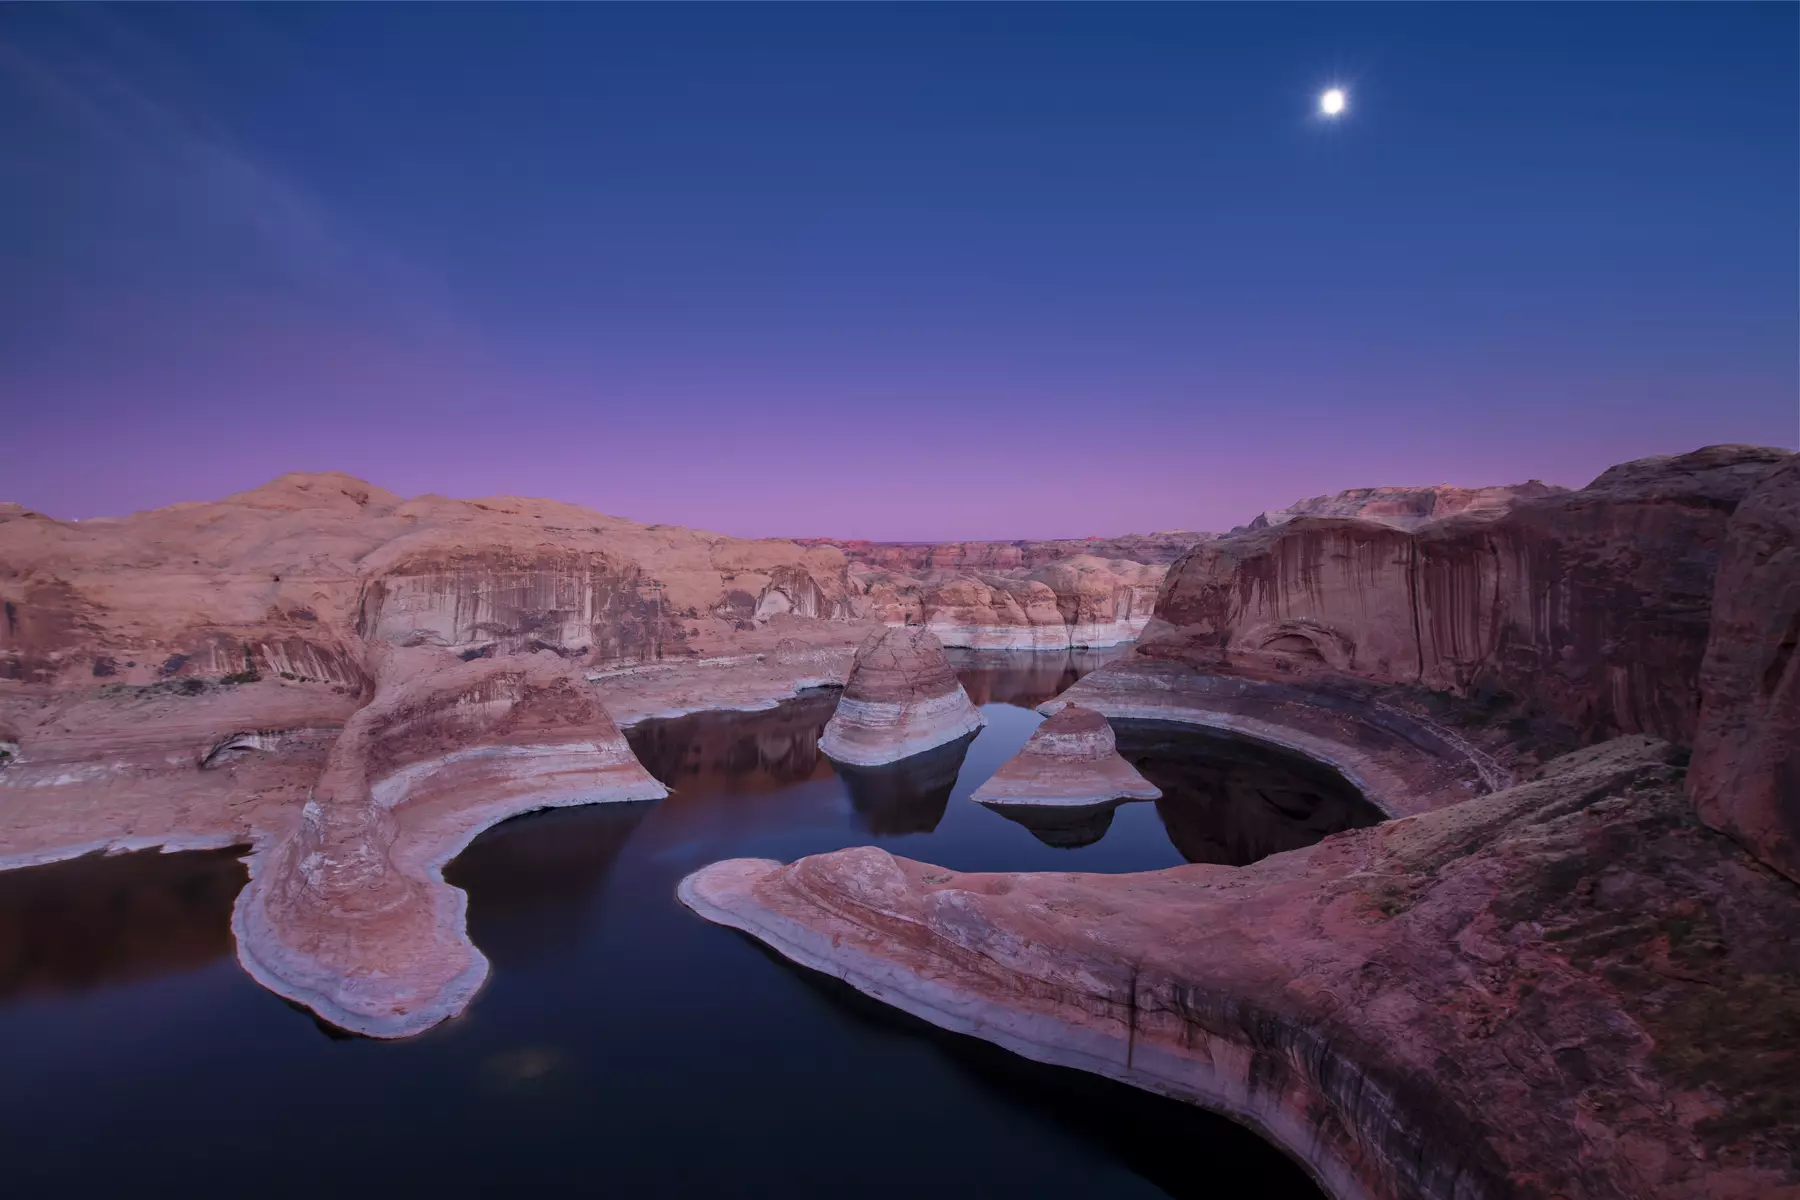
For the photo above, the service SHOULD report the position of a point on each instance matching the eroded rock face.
(350, 915)
(1071, 760)
(1403, 507)
(1015, 595)
(288, 580)
(1746, 769)
(902, 698)
(1569, 988)
(1592, 606)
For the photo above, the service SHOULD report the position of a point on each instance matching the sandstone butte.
(1071, 760)
(902, 699)
(1567, 966)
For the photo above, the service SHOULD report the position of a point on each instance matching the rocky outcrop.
(1569, 988)
(1590, 606)
(289, 580)
(902, 698)
(349, 914)
(1394, 753)
(1403, 507)
(1079, 602)
(1071, 760)
(1157, 549)
(1746, 769)
(1090, 592)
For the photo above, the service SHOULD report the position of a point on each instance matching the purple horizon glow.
(788, 294)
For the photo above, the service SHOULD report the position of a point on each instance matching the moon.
(1332, 101)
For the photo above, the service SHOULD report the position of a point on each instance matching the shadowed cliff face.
(1746, 775)
(1591, 605)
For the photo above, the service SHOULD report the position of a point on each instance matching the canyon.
(1553, 958)
(1546, 974)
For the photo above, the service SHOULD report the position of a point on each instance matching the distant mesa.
(1072, 761)
(902, 698)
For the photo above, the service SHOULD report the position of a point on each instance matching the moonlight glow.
(1331, 102)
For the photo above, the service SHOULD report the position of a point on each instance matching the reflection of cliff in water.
(908, 796)
(738, 752)
(1228, 800)
(1065, 826)
(1025, 678)
(529, 878)
(103, 919)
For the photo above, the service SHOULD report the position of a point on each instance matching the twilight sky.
(925, 273)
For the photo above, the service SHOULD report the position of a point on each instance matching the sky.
(922, 273)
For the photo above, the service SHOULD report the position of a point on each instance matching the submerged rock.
(902, 698)
(1071, 760)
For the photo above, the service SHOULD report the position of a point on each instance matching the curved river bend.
(622, 1044)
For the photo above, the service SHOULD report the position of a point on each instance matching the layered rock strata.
(1080, 602)
(1396, 755)
(1071, 760)
(1746, 771)
(349, 914)
(1590, 606)
(1569, 988)
(902, 698)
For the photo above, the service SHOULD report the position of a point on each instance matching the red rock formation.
(1566, 989)
(1403, 507)
(1746, 769)
(350, 914)
(288, 580)
(1069, 760)
(1589, 605)
(1159, 549)
(1077, 602)
(902, 699)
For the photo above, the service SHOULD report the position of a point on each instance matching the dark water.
(622, 1045)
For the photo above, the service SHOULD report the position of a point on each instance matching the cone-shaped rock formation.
(902, 698)
(1071, 760)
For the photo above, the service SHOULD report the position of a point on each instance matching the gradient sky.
(924, 273)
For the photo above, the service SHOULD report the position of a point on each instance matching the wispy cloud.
(112, 122)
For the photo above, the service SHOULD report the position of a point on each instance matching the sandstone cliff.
(1591, 605)
(1746, 775)
(285, 581)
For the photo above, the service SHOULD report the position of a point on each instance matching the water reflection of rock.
(908, 796)
(1227, 800)
(1025, 678)
(103, 919)
(528, 877)
(738, 751)
(1065, 826)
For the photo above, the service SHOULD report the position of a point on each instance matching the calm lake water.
(623, 1046)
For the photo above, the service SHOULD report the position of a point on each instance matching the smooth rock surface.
(1746, 770)
(349, 914)
(902, 698)
(1070, 760)
(1566, 989)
